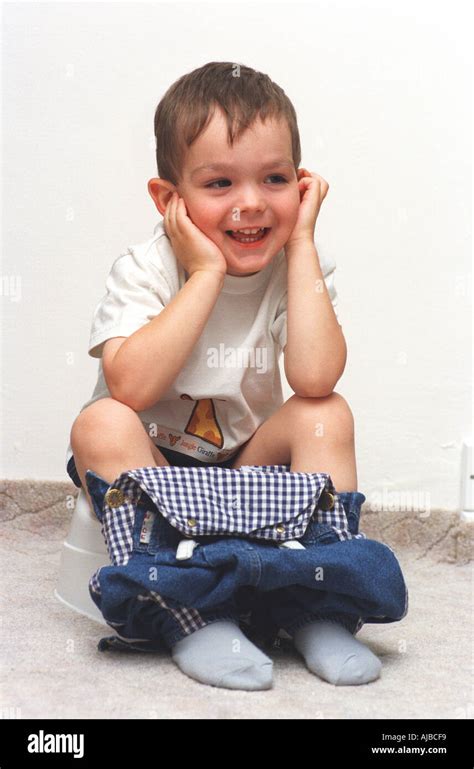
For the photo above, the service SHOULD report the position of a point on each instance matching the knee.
(331, 414)
(105, 418)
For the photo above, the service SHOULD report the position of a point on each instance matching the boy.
(234, 267)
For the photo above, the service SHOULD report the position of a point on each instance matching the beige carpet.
(52, 669)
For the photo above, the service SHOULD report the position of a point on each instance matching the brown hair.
(244, 94)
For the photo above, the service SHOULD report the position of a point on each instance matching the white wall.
(381, 91)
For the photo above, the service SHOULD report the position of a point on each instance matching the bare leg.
(328, 444)
(310, 434)
(109, 438)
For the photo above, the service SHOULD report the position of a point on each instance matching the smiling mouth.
(242, 237)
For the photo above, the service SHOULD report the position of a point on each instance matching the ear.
(161, 191)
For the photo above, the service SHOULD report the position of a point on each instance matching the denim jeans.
(155, 600)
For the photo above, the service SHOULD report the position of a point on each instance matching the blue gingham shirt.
(259, 502)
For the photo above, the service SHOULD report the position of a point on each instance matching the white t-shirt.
(230, 384)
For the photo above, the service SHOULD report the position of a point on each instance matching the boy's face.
(255, 186)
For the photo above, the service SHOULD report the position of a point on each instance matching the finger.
(310, 187)
(166, 218)
(323, 184)
(173, 207)
(172, 213)
(302, 189)
(166, 214)
(182, 217)
(304, 182)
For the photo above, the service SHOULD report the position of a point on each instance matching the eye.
(211, 184)
(277, 176)
(226, 182)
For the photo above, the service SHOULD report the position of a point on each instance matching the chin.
(248, 264)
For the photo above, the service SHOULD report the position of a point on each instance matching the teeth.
(250, 232)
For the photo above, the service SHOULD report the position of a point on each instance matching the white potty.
(84, 551)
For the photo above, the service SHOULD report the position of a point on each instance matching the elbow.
(313, 389)
(128, 398)
(318, 384)
(124, 391)
(134, 403)
(139, 401)
(312, 386)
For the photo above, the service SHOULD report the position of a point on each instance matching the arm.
(316, 352)
(149, 360)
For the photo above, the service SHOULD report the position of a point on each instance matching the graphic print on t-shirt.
(203, 422)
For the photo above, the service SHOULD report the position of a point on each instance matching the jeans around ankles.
(153, 599)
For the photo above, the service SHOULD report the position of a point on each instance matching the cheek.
(289, 203)
(295, 202)
(288, 213)
(205, 215)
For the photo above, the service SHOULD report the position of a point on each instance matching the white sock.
(219, 654)
(332, 652)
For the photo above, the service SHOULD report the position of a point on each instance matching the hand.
(313, 189)
(194, 250)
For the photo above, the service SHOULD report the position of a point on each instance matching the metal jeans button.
(326, 501)
(114, 497)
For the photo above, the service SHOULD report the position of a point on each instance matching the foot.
(219, 654)
(332, 653)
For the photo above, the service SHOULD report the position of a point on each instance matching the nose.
(250, 198)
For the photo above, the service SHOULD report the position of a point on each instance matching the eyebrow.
(228, 166)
